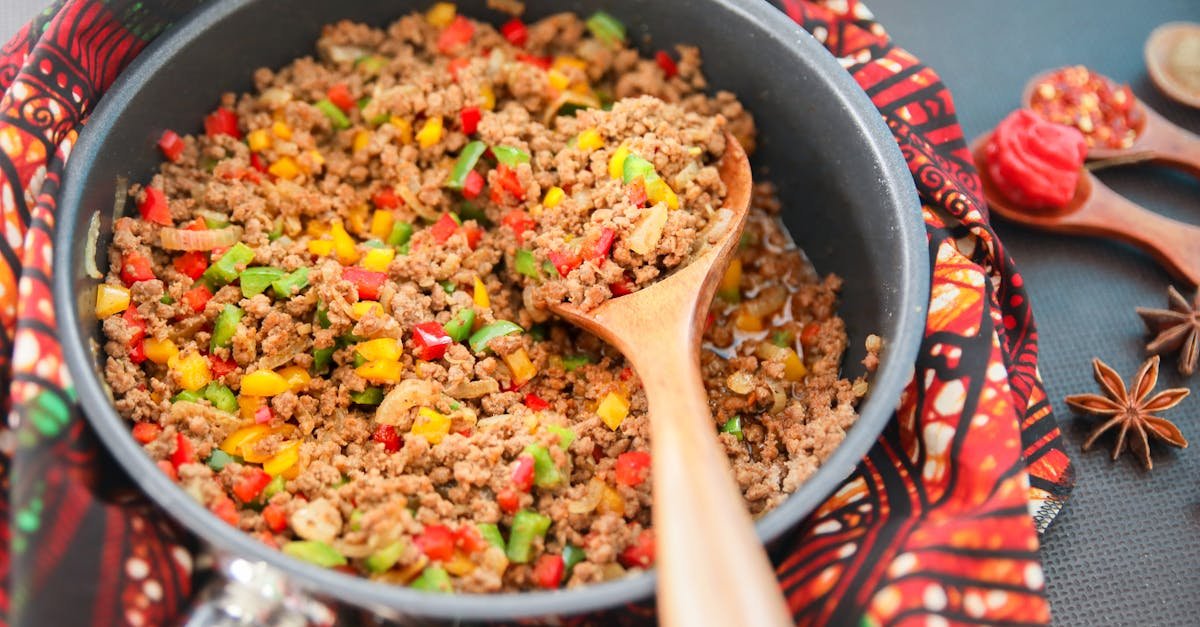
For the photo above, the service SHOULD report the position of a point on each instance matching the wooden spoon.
(1097, 210)
(712, 569)
(1157, 140)
(1161, 47)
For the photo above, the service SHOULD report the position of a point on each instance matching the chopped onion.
(595, 490)
(119, 197)
(778, 395)
(569, 97)
(343, 54)
(770, 352)
(215, 216)
(183, 239)
(769, 301)
(89, 247)
(646, 235)
(409, 393)
(408, 193)
(283, 356)
(473, 389)
(275, 97)
(740, 382)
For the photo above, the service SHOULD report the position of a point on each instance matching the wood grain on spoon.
(712, 569)
(1157, 140)
(1171, 49)
(1099, 211)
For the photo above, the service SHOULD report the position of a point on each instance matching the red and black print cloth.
(938, 524)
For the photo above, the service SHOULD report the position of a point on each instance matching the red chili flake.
(470, 117)
(171, 145)
(667, 64)
(535, 402)
(1106, 113)
(222, 122)
(339, 95)
(146, 432)
(387, 436)
(515, 32)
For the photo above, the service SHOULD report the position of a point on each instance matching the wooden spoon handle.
(1169, 143)
(1173, 244)
(712, 568)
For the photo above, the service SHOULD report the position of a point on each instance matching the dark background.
(1126, 550)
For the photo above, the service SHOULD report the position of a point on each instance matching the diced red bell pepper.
(137, 353)
(197, 224)
(548, 571)
(366, 281)
(456, 65)
(197, 298)
(192, 263)
(275, 517)
(600, 248)
(515, 32)
(146, 432)
(171, 145)
(509, 500)
(473, 235)
(385, 198)
(563, 262)
(470, 117)
(387, 436)
(154, 207)
(467, 538)
(431, 340)
(135, 267)
(222, 122)
(184, 452)
(522, 473)
(220, 367)
(443, 228)
(622, 286)
(137, 337)
(535, 402)
(251, 484)
(263, 415)
(225, 509)
(632, 467)
(667, 64)
(808, 336)
(167, 469)
(626, 373)
(542, 62)
(455, 36)
(640, 553)
(436, 542)
(637, 193)
(507, 181)
(339, 95)
(519, 222)
(473, 185)
(257, 163)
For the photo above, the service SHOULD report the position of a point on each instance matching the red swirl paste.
(1035, 163)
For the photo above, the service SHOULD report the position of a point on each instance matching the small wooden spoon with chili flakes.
(1154, 137)
(1097, 210)
(712, 568)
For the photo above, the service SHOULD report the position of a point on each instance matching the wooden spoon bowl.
(1160, 47)
(712, 568)
(1157, 138)
(1097, 210)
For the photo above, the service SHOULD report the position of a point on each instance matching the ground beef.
(331, 419)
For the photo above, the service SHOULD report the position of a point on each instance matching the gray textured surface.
(14, 14)
(1126, 551)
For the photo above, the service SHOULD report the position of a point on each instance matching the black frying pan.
(849, 197)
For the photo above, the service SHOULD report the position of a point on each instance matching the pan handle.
(246, 592)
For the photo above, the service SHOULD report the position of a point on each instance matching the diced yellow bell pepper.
(459, 565)
(248, 405)
(317, 158)
(285, 168)
(236, 441)
(558, 80)
(383, 348)
(264, 383)
(553, 196)
(281, 130)
(616, 163)
(441, 14)
(480, 295)
(382, 371)
(357, 215)
(793, 366)
(657, 190)
(589, 140)
(563, 61)
(192, 371)
(343, 245)
(431, 132)
(488, 98)
(283, 459)
(746, 321)
(317, 228)
(381, 223)
(111, 299)
(258, 140)
(160, 351)
(378, 259)
(731, 282)
(611, 501)
(404, 130)
(364, 308)
(320, 247)
(613, 409)
(430, 424)
(522, 368)
(361, 140)
(296, 377)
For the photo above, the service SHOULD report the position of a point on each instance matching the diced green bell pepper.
(219, 459)
(479, 339)
(491, 534)
(465, 164)
(468, 211)
(566, 435)
(335, 115)
(188, 396)
(573, 362)
(636, 168)
(291, 283)
(316, 552)
(527, 526)
(322, 359)
(733, 426)
(256, 280)
(276, 231)
(221, 397)
(226, 326)
(525, 263)
(608, 29)
(277, 484)
(510, 156)
(782, 338)
(369, 396)
(225, 269)
(571, 555)
(401, 232)
(323, 316)
(213, 223)
(545, 472)
(384, 559)
(433, 579)
(459, 327)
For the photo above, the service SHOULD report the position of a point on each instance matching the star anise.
(1177, 328)
(1131, 410)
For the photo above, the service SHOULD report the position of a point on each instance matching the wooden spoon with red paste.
(1116, 125)
(1033, 174)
